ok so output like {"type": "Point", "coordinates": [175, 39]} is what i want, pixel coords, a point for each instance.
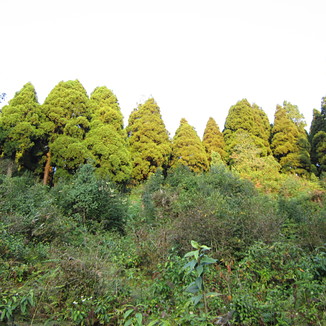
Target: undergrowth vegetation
{"type": "Point", "coordinates": [86, 252]}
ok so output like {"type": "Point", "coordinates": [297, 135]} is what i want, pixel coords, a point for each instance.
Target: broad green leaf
{"type": "Point", "coordinates": [191, 265]}
{"type": "Point", "coordinates": [165, 323]}
{"type": "Point", "coordinates": [128, 322]}
{"type": "Point", "coordinates": [195, 244]}
{"type": "Point", "coordinates": [139, 318]}
{"type": "Point", "coordinates": [3, 315]}
{"type": "Point", "coordinates": [190, 253]}
{"type": "Point", "coordinates": [196, 299]}
{"type": "Point", "coordinates": [192, 288]}
{"type": "Point", "coordinates": [205, 247]}
{"type": "Point", "coordinates": [199, 283]}
{"type": "Point", "coordinates": [127, 313]}
{"type": "Point", "coordinates": [208, 260]}
{"type": "Point", "coordinates": [199, 270]}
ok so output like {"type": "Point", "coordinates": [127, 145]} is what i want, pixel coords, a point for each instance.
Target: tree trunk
{"type": "Point", "coordinates": [47, 169]}
{"type": "Point", "coordinates": [10, 168]}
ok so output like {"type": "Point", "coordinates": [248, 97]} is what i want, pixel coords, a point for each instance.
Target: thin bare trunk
{"type": "Point", "coordinates": [47, 169]}
{"type": "Point", "coordinates": [10, 168]}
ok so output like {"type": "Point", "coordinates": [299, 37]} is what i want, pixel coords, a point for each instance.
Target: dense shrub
{"type": "Point", "coordinates": [28, 209]}
{"type": "Point", "coordinates": [92, 202]}
{"type": "Point", "coordinates": [216, 208]}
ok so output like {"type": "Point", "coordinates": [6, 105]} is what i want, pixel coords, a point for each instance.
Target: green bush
{"type": "Point", "coordinates": [28, 209]}
{"type": "Point", "coordinates": [216, 208]}
{"type": "Point", "coordinates": [95, 203]}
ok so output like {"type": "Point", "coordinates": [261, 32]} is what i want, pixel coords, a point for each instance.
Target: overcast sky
{"type": "Point", "coordinates": [196, 58]}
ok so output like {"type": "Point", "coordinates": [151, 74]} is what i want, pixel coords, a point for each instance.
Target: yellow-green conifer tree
{"type": "Point", "coordinates": [249, 118]}
{"type": "Point", "coordinates": [68, 114]}
{"type": "Point", "coordinates": [150, 146]}
{"type": "Point", "coordinates": [22, 130]}
{"type": "Point", "coordinates": [213, 140]}
{"type": "Point", "coordinates": [188, 149]}
{"type": "Point", "coordinates": [289, 140]}
{"type": "Point", "coordinates": [107, 140]}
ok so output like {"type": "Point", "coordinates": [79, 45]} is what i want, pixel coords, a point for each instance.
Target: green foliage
{"type": "Point", "coordinates": [150, 146]}
{"type": "Point", "coordinates": [92, 201]}
{"type": "Point", "coordinates": [198, 265]}
{"type": "Point", "coordinates": [187, 149]}
{"type": "Point", "coordinates": [247, 160]}
{"type": "Point", "coordinates": [213, 140]}
{"type": "Point", "coordinates": [61, 263]}
{"type": "Point", "coordinates": [317, 139]}
{"type": "Point", "coordinates": [217, 208]}
{"type": "Point", "coordinates": [105, 108]}
{"type": "Point", "coordinates": [68, 114]}
{"type": "Point", "coordinates": [281, 288]}
{"type": "Point", "coordinates": [111, 155]}
{"type": "Point", "coordinates": [27, 209]}
{"type": "Point", "coordinates": [12, 304]}
{"type": "Point", "coordinates": [250, 118]}
{"type": "Point", "coordinates": [107, 140]}
{"type": "Point", "coordinates": [22, 124]}
{"type": "Point", "coordinates": [289, 140]}
{"type": "Point", "coordinates": [304, 219]}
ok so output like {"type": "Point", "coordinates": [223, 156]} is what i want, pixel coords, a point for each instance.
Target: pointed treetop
{"type": "Point", "coordinates": [213, 139]}
{"type": "Point", "coordinates": [250, 118]}
{"type": "Point", "coordinates": [149, 140]}
{"type": "Point", "coordinates": [187, 148]}
{"type": "Point", "coordinates": [105, 108]}
{"type": "Point", "coordinates": [289, 141]}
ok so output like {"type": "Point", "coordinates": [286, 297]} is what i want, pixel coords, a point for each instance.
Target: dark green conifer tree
{"type": "Point", "coordinates": [188, 149]}
{"type": "Point", "coordinates": [317, 139]}
{"type": "Point", "coordinates": [213, 140]}
{"type": "Point", "coordinates": [150, 146]}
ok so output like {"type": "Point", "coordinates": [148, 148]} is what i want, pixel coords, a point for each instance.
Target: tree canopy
{"type": "Point", "coordinates": [150, 146]}
{"type": "Point", "coordinates": [289, 140]}
{"type": "Point", "coordinates": [68, 116]}
{"type": "Point", "coordinates": [250, 118]}
{"type": "Point", "coordinates": [53, 139]}
{"type": "Point", "coordinates": [213, 140]}
{"type": "Point", "coordinates": [107, 140]}
{"type": "Point", "coordinates": [318, 138]}
{"type": "Point", "coordinates": [22, 124]}
{"type": "Point", "coordinates": [188, 149]}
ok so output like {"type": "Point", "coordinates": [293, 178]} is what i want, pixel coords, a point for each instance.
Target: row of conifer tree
{"type": "Point", "coordinates": [71, 128]}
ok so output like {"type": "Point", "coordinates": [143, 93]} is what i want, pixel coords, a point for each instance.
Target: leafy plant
{"type": "Point", "coordinates": [199, 265]}
{"type": "Point", "coordinates": [12, 304]}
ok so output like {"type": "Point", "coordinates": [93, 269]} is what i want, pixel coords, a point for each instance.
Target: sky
{"type": "Point", "coordinates": [195, 58]}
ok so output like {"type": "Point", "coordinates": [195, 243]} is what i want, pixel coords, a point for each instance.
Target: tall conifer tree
{"type": "Point", "coordinates": [289, 142]}
{"type": "Point", "coordinates": [250, 118]}
{"type": "Point", "coordinates": [317, 138]}
{"type": "Point", "coordinates": [188, 149]}
{"type": "Point", "coordinates": [68, 114]}
{"type": "Point", "coordinates": [107, 140]}
{"type": "Point", "coordinates": [213, 140]}
{"type": "Point", "coordinates": [150, 146]}
{"type": "Point", "coordinates": [22, 129]}
{"type": "Point", "coordinates": [105, 108]}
